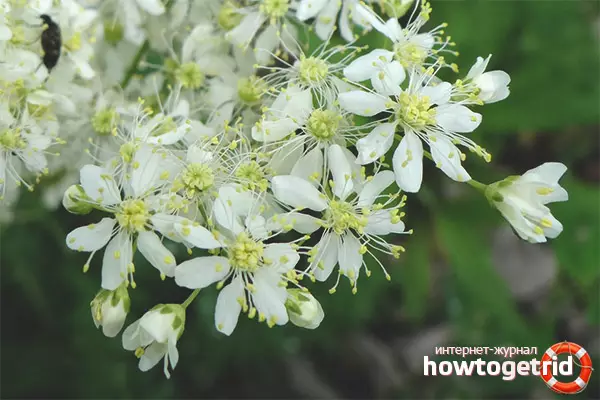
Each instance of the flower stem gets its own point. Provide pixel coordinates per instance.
(133, 67)
(190, 298)
(478, 185)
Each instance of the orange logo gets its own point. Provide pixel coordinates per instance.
(548, 367)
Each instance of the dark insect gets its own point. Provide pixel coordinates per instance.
(51, 42)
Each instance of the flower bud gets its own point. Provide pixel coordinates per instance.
(155, 335)
(74, 201)
(522, 201)
(303, 309)
(109, 310)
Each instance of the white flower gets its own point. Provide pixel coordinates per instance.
(325, 13)
(318, 71)
(257, 272)
(411, 50)
(354, 213)
(22, 144)
(258, 13)
(109, 310)
(303, 309)
(155, 335)
(492, 85)
(522, 201)
(289, 111)
(424, 113)
(136, 215)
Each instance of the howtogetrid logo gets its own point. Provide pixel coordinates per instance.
(550, 367)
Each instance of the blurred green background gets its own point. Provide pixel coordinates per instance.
(466, 279)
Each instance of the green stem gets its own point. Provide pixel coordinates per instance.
(133, 67)
(190, 298)
(478, 185)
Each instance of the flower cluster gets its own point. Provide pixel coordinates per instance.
(237, 130)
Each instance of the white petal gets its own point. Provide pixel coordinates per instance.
(549, 172)
(341, 172)
(201, 272)
(325, 21)
(196, 235)
(152, 355)
(438, 94)
(272, 131)
(457, 118)
(349, 256)
(285, 157)
(156, 253)
(269, 298)
(297, 192)
(376, 143)
(387, 81)
(99, 185)
(363, 103)
(226, 216)
(380, 223)
(447, 157)
(326, 256)
(478, 68)
(164, 224)
(118, 255)
(91, 237)
(366, 66)
(266, 44)
(257, 226)
(228, 309)
(148, 165)
(493, 85)
(374, 187)
(282, 256)
(309, 8)
(309, 165)
(131, 336)
(242, 34)
(408, 163)
(302, 223)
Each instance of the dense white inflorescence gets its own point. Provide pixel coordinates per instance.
(256, 134)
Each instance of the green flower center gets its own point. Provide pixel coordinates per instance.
(74, 42)
(196, 178)
(10, 139)
(415, 111)
(166, 125)
(104, 121)
(113, 32)
(253, 176)
(408, 53)
(126, 152)
(323, 124)
(189, 75)
(251, 89)
(133, 215)
(229, 17)
(274, 9)
(341, 216)
(18, 35)
(246, 254)
(312, 70)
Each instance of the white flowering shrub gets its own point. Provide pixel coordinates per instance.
(268, 138)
